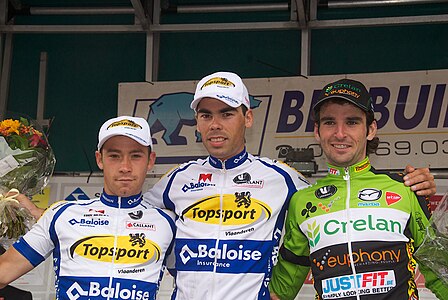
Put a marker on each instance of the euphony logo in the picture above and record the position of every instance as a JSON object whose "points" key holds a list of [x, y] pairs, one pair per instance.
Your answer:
{"points": [[134, 249], [232, 212]]}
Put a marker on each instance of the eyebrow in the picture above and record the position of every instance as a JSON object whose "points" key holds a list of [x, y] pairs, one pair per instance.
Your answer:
{"points": [[113, 150], [347, 119], [224, 110]]}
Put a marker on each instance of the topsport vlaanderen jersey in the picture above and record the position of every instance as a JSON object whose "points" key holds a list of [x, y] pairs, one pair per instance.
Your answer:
{"points": [[107, 248], [230, 219], [360, 228]]}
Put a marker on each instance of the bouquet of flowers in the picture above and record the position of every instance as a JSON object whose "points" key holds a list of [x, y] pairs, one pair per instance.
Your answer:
{"points": [[26, 164], [433, 252]]}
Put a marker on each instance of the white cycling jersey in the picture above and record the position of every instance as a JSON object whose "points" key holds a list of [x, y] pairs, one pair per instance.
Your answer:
{"points": [[106, 248], [230, 219]]}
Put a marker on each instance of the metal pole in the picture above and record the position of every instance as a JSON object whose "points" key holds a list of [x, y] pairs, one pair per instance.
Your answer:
{"points": [[5, 75], [41, 90]]}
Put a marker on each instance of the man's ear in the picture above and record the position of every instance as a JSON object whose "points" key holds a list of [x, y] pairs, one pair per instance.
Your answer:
{"points": [[372, 130], [249, 118], [196, 118], [151, 161], [99, 159]]}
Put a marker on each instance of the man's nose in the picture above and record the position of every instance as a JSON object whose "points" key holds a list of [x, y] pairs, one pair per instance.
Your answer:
{"points": [[340, 131], [215, 124], [125, 165]]}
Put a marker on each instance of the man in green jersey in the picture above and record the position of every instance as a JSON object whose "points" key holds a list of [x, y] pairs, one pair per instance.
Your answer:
{"points": [[357, 228]]}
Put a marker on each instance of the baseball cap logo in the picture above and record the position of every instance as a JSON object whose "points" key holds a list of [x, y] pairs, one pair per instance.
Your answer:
{"points": [[218, 81], [124, 122]]}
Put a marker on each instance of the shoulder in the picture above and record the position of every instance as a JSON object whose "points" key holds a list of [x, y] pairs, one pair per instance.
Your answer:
{"points": [[183, 167], [152, 210], [398, 177], [63, 205], [167, 216], [283, 169]]}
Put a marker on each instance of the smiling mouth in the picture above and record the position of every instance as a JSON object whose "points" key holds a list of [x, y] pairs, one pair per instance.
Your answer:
{"points": [[217, 139], [339, 146]]}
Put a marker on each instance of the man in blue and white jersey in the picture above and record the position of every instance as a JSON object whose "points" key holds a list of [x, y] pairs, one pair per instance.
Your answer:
{"points": [[112, 247]]}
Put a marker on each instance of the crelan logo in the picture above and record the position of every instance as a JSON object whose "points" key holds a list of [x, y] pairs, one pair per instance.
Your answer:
{"points": [[132, 249], [234, 210]]}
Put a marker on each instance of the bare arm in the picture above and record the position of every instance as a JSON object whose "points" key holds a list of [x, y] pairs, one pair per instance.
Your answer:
{"points": [[25, 202], [420, 180], [12, 266]]}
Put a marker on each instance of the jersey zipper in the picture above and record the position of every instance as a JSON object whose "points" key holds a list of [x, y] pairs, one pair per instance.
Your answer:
{"points": [[349, 239], [218, 238], [112, 267]]}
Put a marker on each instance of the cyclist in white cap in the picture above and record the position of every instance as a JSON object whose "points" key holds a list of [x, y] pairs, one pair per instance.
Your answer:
{"points": [[112, 247]]}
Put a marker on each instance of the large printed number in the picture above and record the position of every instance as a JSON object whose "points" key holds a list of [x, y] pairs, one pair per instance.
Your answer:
{"points": [[427, 147]]}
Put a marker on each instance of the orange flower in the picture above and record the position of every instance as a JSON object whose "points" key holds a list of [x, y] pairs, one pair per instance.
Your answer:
{"points": [[9, 126]]}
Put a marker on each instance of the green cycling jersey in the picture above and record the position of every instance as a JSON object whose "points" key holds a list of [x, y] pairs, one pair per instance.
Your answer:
{"points": [[357, 229]]}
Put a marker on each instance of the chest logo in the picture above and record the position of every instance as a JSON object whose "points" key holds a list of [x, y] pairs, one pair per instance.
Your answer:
{"points": [[228, 209], [136, 215], [131, 249], [392, 198], [369, 194], [310, 208], [245, 180], [205, 177], [325, 191]]}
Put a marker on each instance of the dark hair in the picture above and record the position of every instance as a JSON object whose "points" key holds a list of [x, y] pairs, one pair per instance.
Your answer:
{"points": [[370, 117]]}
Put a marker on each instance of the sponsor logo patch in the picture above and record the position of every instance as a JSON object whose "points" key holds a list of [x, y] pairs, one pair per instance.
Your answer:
{"points": [[369, 194], [140, 226], [392, 198], [333, 171], [196, 186], [136, 215], [360, 256], [237, 209], [89, 222], [369, 283], [245, 180], [325, 191], [100, 289], [229, 256], [362, 167], [205, 177], [131, 249]]}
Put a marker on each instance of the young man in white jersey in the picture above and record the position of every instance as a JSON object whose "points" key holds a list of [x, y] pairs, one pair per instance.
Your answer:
{"points": [[112, 247]]}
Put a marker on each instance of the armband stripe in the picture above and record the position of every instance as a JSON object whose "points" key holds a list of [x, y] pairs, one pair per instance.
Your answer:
{"points": [[295, 259]]}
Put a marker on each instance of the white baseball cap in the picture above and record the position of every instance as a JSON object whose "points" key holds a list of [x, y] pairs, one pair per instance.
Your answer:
{"points": [[133, 127], [224, 86]]}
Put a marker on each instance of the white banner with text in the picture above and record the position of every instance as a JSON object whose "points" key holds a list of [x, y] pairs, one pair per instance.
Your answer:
{"points": [[411, 109]]}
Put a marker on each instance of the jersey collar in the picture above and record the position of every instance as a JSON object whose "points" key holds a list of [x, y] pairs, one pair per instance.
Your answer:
{"points": [[229, 163], [126, 202], [354, 170]]}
